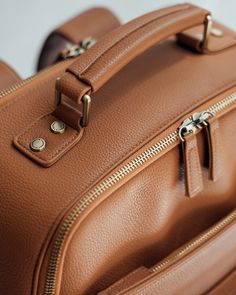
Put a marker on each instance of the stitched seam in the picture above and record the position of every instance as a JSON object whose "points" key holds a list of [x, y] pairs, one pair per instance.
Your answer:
{"points": [[128, 34]]}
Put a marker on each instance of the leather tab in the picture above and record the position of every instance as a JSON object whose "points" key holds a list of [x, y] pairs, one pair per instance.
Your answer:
{"points": [[56, 144], [193, 173], [215, 149], [127, 281], [192, 38]]}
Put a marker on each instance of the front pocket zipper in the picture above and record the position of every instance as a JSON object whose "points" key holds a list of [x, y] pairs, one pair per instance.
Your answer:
{"points": [[190, 246], [165, 143], [177, 260]]}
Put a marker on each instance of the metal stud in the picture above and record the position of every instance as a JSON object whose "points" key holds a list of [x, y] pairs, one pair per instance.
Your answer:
{"points": [[38, 144], [58, 127]]}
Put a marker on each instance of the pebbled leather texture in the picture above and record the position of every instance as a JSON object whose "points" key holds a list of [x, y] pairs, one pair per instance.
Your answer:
{"points": [[192, 271], [215, 149], [94, 22], [193, 171], [8, 76], [144, 217]]}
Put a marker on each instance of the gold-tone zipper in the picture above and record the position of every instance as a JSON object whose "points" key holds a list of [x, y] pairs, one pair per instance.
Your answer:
{"points": [[109, 182], [189, 247], [22, 83], [70, 53]]}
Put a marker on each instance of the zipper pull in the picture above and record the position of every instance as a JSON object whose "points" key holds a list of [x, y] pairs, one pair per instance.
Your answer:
{"points": [[207, 119], [192, 166], [77, 49], [215, 149]]}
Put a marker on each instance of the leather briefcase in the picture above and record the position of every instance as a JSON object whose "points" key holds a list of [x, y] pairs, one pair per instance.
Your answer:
{"points": [[118, 166]]}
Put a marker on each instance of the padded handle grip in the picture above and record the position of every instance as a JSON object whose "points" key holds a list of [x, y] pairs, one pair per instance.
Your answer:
{"points": [[119, 47]]}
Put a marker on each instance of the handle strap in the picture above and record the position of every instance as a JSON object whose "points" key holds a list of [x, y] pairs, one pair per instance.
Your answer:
{"points": [[119, 47], [74, 31]]}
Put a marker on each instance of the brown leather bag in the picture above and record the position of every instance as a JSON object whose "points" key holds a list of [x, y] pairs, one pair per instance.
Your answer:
{"points": [[140, 199]]}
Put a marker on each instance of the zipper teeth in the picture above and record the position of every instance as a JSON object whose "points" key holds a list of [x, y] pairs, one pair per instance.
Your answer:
{"points": [[221, 105], [92, 196], [15, 86], [195, 243], [85, 202], [20, 84]]}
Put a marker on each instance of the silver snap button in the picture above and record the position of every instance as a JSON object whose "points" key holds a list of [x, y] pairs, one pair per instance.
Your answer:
{"points": [[38, 144], [216, 32], [58, 127]]}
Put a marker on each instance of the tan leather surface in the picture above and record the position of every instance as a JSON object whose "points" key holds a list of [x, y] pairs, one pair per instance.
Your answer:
{"points": [[215, 149], [195, 272], [227, 286], [57, 144], [94, 22], [132, 278], [194, 183], [149, 216], [7, 76]]}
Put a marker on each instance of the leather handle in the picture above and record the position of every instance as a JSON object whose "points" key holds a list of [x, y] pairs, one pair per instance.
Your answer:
{"points": [[119, 47]]}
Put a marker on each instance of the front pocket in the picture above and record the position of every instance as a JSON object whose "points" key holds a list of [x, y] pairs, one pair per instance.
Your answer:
{"points": [[195, 268]]}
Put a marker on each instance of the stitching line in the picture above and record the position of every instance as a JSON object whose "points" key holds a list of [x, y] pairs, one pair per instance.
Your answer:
{"points": [[130, 33]]}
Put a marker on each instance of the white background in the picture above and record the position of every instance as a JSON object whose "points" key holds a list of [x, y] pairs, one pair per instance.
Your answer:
{"points": [[25, 23]]}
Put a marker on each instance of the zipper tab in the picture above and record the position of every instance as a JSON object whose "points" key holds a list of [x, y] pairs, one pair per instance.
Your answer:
{"points": [[193, 173], [201, 119], [187, 130], [77, 49], [196, 121], [215, 149]]}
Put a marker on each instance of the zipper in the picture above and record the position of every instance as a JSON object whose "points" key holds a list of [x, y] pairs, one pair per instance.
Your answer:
{"points": [[189, 247], [72, 52], [26, 81], [76, 50], [166, 142], [196, 121]]}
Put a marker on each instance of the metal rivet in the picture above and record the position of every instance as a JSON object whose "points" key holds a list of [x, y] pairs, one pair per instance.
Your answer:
{"points": [[58, 127], [216, 32], [38, 144]]}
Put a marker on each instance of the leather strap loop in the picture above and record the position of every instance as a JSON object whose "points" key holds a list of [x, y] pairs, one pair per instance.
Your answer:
{"points": [[94, 22], [119, 47]]}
